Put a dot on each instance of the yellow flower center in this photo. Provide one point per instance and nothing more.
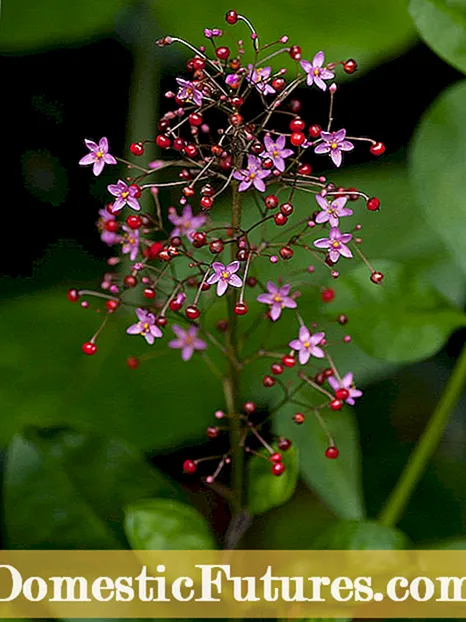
(124, 194)
(275, 153)
(189, 340)
(99, 154)
(277, 299)
(252, 175)
(335, 244)
(307, 344)
(145, 328)
(334, 145)
(225, 275)
(316, 71)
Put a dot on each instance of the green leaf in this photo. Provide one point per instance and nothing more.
(403, 320)
(48, 381)
(437, 168)
(442, 25)
(28, 25)
(455, 544)
(267, 491)
(361, 536)
(362, 29)
(66, 490)
(337, 482)
(163, 524)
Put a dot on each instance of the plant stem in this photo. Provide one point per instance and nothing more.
(232, 382)
(397, 501)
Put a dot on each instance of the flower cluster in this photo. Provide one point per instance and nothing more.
(182, 259)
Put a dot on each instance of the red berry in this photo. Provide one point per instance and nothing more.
(132, 362)
(198, 63)
(134, 222)
(288, 360)
(112, 305)
(286, 252)
(240, 308)
(328, 372)
(267, 163)
(304, 169)
(297, 125)
(280, 219)
(297, 139)
(276, 457)
(373, 204)
(271, 201)
(199, 239)
(130, 281)
(328, 294)
(175, 305)
(161, 321)
(179, 144)
(72, 295)
(236, 119)
(216, 246)
(342, 394)
(276, 369)
(350, 65)
(112, 226)
(268, 381)
(222, 52)
(137, 190)
(192, 312)
(278, 468)
(286, 209)
(336, 404)
(249, 408)
(149, 293)
(342, 319)
(377, 149)
(189, 466)
(231, 17)
(206, 203)
(332, 453)
(237, 101)
(89, 348)
(278, 84)
(137, 149)
(353, 196)
(163, 141)
(295, 52)
(191, 151)
(299, 418)
(377, 277)
(314, 131)
(284, 443)
(251, 281)
(195, 118)
(212, 431)
(188, 191)
(154, 250)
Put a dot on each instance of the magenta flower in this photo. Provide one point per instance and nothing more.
(332, 211)
(125, 195)
(336, 243)
(98, 156)
(210, 33)
(224, 276)
(187, 341)
(233, 80)
(253, 174)
(275, 150)
(145, 327)
(130, 242)
(186, 224)
(109, 237)
(307, 345)
(316, 73)
(334, 143)
(189, 92)
(278, 299)
(259, 78)
(348, 384)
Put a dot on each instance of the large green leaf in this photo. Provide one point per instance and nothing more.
(66, 490)
(28, 25)
(163, 524)
(362, 29)
(442, 25)
(361, 536)
(266, 491)
(403, 320)
(437, 168)
(337, 482)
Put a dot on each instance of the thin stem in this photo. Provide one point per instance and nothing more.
(397, 501)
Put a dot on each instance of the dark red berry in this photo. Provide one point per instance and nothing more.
(130, 281)
(249, 408)
(161, 321)
(72, 295)
(149, 293)
(195, 118)
(176, 241)
(332, 453)
(276, 369)
(342, 319)
(206, 203)
(137, 149)
(315, 130)
(288, 360)
(231, 17)
(251, 281)
(240, 308)
(278, 84)
(299, 418)
(216, 246)
(134, 222)
(377, 149)
(284, 443)
(132, 362)
(257, 148)
(189, 466)
(199, 239)
(297, 125)
(295, 52)
(212, 431)
(342, 394)
(319, 378)
(280, 219)
(286, 252)
(154, 250)
(267, 163)
(278, 468)
(305, 169)
(222, 52)
(198, 63)
(297, 138)
(377, 277)
(192, 312)
(89, 348)
(268, 381)
(191, 151)
(336, 404)
(276, 457)
(163, 141)
(237, 101)
(112, 226)
(373, 204)
(353, 196)
(328, 294)
(271, 201)
(236, 119)
(350, 65)
(179, 144)
(328, 372)
(286, 209)
(112, 305)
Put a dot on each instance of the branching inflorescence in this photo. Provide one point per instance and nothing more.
(218, 156)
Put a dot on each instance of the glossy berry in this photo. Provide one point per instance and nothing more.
(222, 52)
(206, 203)
(297, 138)
(271, 201)
(288, 360)
(276, 369)
(373, 204)
(278, 84)
(315, 130)
(377, 149)
(195, 118)
(134, 222)
(216, 246)
(299, 418)
(112, 305)
(284, 444)
(342, 319)
(236, 119)
(297, 125)
(304, 169)
(149, 293)
(199, 239)
(268, 381)
(175, 305)
(112, 226)
(267, 163)
(342, 394)
(231, 17)
(89, 348)
(240, 308)
(191, 151)
(212, 431)
(179, 144)
(377, 277)
(280, 219)
(276, 457)
(295, 52)
(198, 63)
(163, 141)
(286, 252)
(161, 321)
(350, 65)
(130, 281)
(137, 190)
(249, 408)
(278, 468)
(137, 149)
(132, 362)
(73, 295)
(189, 466)
(328, 294)
(286, 209)
(336, 404)
(154, 250)
(192, 312)
(332, 453)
